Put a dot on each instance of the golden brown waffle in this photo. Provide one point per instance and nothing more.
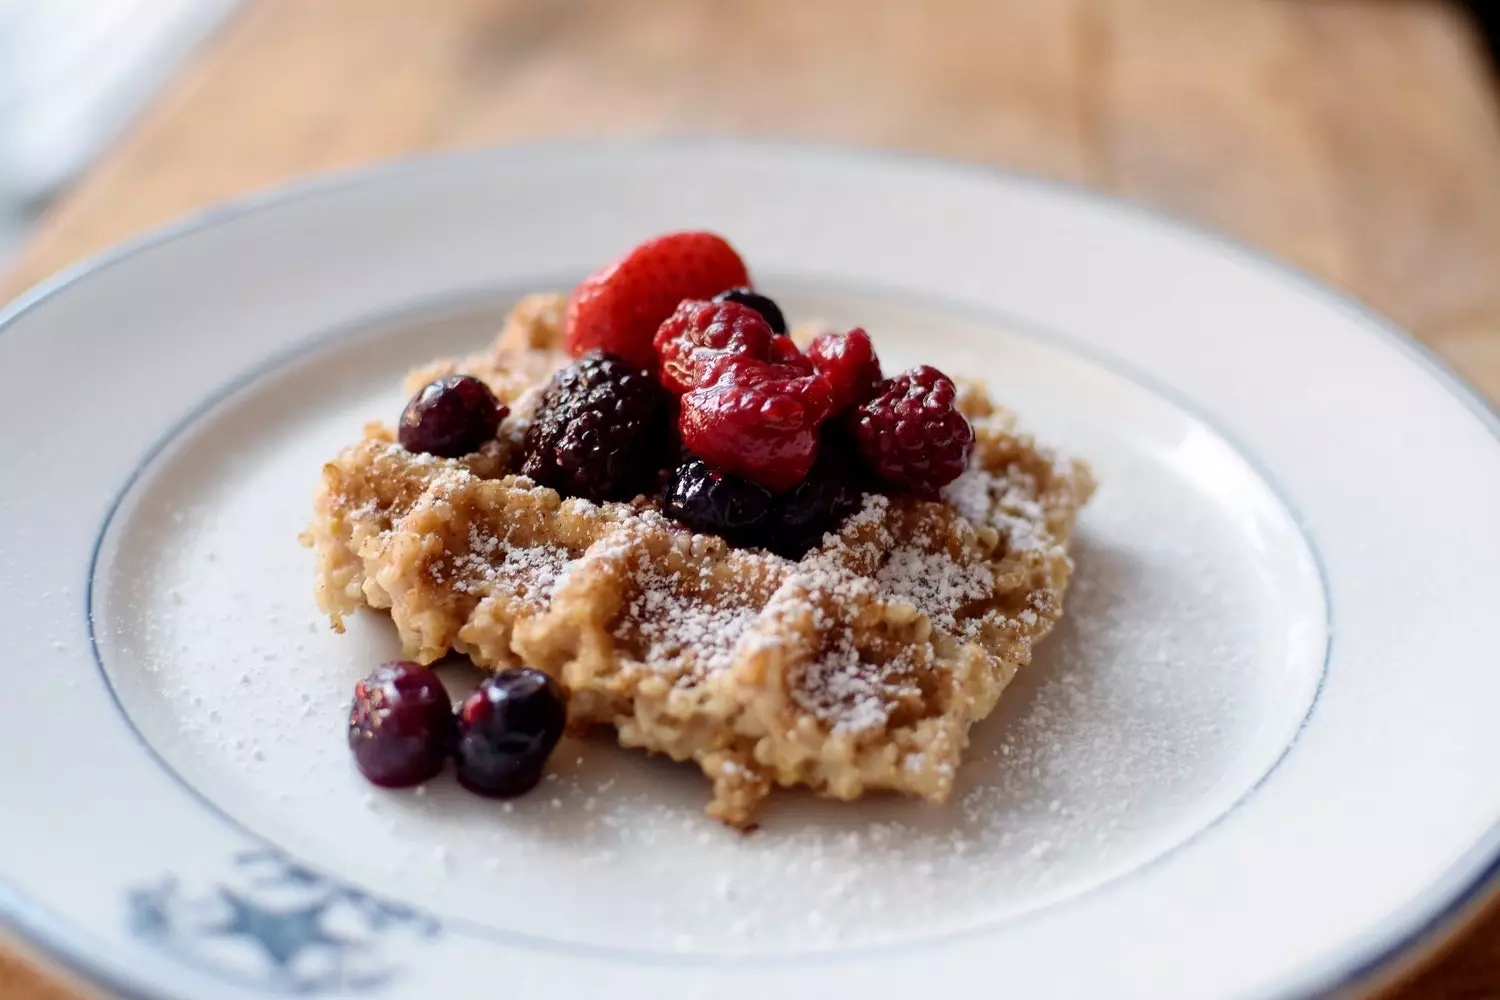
(861, 666)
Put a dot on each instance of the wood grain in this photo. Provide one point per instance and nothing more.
(1359, 140)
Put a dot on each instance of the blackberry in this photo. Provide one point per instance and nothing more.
(401, 726)
(830, 493)
(451, 417)
(768, 309)
(600, 430)
(507, 727)
(717, 503)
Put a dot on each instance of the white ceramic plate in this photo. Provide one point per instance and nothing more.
(1255, 760)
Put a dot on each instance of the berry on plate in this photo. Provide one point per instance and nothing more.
(401, 725)
(599, 432)
(756, 419)
(451, 417)
(618, 309)
(911, 434)
(849, 361)
(507, 728)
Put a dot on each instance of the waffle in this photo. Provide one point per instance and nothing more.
(861, 666)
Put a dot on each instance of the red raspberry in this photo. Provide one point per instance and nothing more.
(911, 435)
(700, 333)
(757, 420)
(618, 309)
(849, 361)
(784, 351)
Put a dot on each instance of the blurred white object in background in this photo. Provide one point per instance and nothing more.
(72, 74)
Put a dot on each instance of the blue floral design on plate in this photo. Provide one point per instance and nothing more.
(273, 924)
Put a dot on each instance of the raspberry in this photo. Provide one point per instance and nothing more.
(911, 435)
(618, 309)
(757, 420)
(600, 430)
(717, 503)
(768, 309)
(849, 361)
(700, 333)
(830, 493)
(784, 351)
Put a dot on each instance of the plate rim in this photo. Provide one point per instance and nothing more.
(1410, 936)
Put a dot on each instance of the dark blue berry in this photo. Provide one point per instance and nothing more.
(600, 430)
(717, 503)
(768, 309)
(451, 417)
(506, 729)
(401, 727)
(815, 507)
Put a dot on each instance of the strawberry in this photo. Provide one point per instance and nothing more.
(618, 309)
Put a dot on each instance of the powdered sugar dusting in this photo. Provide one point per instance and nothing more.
(840, 687)
(934, 582)
(970, 495)
(1008, 501)
(673, 624)
(530, 571)
(852, 694)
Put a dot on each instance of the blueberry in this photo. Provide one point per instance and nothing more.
(717, 503)
(451, 417)
(506, 729)
(401, 727)
(768, 309)
(816, 506)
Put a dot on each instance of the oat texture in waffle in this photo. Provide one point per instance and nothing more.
(862, 666)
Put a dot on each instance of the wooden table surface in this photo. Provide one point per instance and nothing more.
(1359, 140)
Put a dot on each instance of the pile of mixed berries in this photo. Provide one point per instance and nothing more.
(687, 387)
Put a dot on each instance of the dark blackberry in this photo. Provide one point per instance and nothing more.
(450, 417)
(507, 728)
(717, 503)
(600, 430)
(401, 725)
(768, 309)
(830, 493)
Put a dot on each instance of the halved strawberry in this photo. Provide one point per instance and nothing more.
(618, 309)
